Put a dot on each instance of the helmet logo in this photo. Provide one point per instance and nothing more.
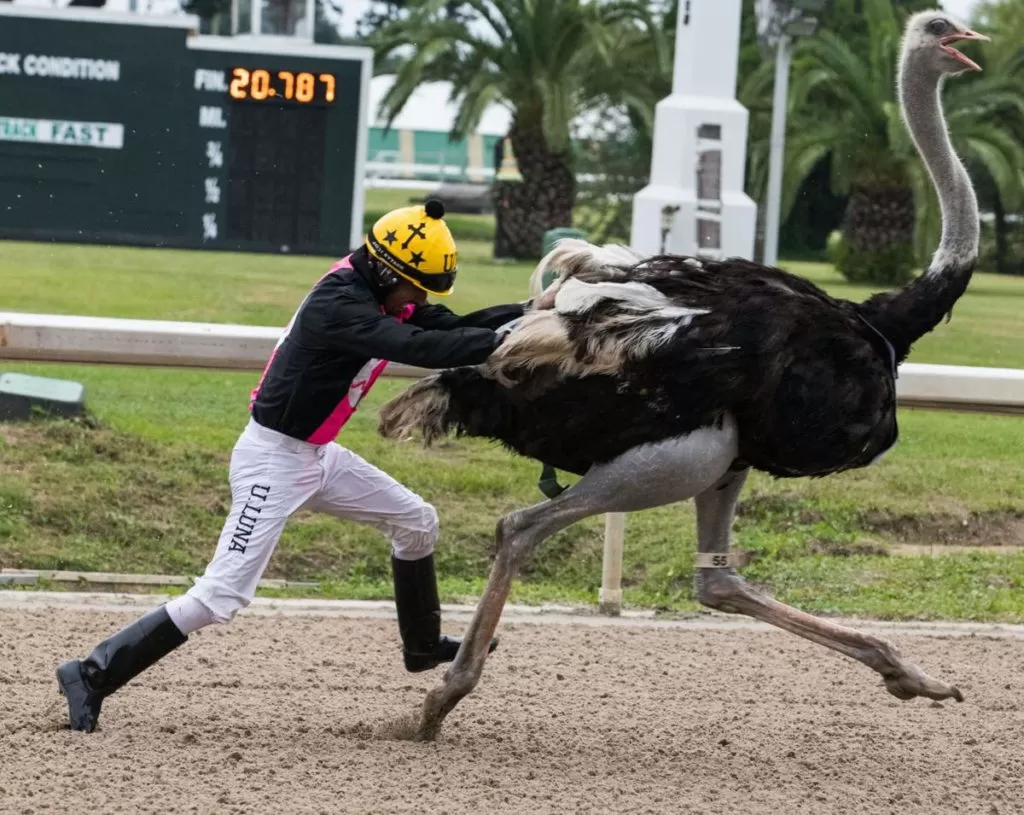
(391, 237)
(416, 231)
(449, 262)
(416, 259)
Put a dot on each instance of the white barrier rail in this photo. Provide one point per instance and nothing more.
(58, 338)
(160, 343)
(61, 338)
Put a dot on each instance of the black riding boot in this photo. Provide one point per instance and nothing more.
(419, 616)
(113, 663)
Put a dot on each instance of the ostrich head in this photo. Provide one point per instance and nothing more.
(929, 42)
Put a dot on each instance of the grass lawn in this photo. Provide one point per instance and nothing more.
(142, 485)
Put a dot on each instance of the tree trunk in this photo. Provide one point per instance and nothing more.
(878, 229)
(543, 201)
(879, 218)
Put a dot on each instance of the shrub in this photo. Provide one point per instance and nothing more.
(891, 267)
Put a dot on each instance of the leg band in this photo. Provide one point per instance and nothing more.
(715, 560)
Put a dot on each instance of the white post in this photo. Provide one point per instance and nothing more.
(701, 114)
(778, 151)
(610, 599)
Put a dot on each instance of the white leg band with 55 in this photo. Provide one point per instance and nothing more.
(715, 560)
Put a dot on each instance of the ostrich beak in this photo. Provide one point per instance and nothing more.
(966, 34)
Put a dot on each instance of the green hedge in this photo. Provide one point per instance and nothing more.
(893, 267)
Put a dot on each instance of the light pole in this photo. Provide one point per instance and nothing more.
(780, 22)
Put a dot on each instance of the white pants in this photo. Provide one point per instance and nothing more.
(272, 476)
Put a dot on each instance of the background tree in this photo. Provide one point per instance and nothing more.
(327, 23)
(614, 156)
(843, 108)
(1002, 240)
(214, 15)
(534, 56)
(817, 209)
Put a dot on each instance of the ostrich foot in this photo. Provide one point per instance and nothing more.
(726, 591)
(439, 703)
(911, 681)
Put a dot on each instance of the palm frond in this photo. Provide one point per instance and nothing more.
(555, 118)
(1002, 156)
(850, 88)
(884, 36)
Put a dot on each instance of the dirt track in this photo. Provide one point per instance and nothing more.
(291, 715)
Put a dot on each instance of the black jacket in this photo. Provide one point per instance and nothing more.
(333, 348)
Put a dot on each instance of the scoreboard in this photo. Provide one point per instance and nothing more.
(131, 129)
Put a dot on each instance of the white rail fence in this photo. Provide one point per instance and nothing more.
(99, 340)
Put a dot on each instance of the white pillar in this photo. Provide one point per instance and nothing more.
(700, 145)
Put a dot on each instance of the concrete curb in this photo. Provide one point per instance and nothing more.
(29, 577)
(513, 614)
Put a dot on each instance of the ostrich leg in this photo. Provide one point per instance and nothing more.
(723, 589)
(644, 477)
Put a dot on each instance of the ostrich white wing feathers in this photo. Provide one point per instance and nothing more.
(577, 297)
(622, 322)
(573, 257)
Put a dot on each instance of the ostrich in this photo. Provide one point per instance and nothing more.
(667, 378)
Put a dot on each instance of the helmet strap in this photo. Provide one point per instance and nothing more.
(381, 277)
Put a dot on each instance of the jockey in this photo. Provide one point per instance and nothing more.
(368, 309)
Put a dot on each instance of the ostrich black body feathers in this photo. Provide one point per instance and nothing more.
(809, 380)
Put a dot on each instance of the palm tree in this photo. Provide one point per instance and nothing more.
(534, 57)
(614, 162)
(842, 106)
(1005, 56)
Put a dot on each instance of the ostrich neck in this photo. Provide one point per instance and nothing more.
(905, 315)
(922, 112)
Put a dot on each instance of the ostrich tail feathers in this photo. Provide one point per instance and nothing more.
(573, 257)
(459, 402)
(423, 407)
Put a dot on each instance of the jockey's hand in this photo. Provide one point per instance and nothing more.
(546, 300)
(504, 330)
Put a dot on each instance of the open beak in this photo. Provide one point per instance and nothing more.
(966, 34)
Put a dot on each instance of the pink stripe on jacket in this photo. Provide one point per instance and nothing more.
(359, 387)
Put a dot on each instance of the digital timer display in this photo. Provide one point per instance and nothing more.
(257, 145)
(304, 87)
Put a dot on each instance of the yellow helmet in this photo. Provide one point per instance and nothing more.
(414, 242)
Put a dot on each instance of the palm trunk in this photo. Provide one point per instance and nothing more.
(879, 231)
(542, 201)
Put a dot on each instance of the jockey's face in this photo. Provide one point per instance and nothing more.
(401, 295)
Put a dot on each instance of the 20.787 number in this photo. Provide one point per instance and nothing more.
(260, 84)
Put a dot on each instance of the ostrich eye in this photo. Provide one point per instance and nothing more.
(937, 27)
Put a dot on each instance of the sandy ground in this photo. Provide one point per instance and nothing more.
(296, 714)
